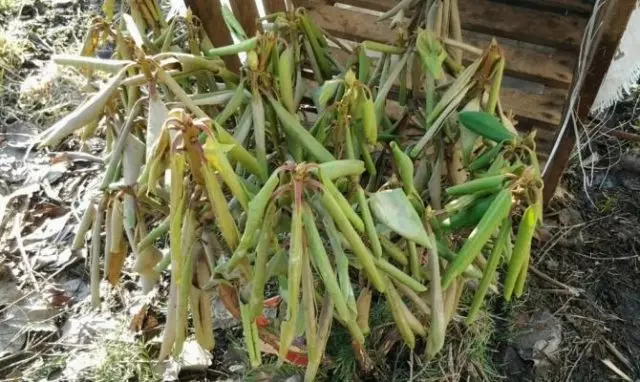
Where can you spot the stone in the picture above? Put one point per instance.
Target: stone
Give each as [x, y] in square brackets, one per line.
[539, 337]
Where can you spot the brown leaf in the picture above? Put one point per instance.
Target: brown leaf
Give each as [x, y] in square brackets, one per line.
[229, 298]
[144, 320]
[115, 264]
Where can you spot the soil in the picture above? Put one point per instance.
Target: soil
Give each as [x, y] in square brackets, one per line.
[589, 242]
[597, 253]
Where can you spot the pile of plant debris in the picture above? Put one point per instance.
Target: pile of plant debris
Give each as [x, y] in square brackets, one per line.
[303, 205]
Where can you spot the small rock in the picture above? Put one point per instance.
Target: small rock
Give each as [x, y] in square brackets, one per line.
[539, 338]
[169, 369]
[194, 357]
[236, 368]
[516, 369]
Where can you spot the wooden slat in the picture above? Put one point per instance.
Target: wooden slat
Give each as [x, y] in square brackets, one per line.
[209, 12]
[576, 7]
[530, 25]
[533, 26]
[549, 69]
[273, 6]
[545, 109]
[558, 6]
[553, 67]
[246, 12]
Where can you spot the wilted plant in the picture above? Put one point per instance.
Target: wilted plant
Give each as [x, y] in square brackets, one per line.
[251, 194]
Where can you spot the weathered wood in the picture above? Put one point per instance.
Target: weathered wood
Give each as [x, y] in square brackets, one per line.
[545, 109]
[273, 6]
[538, 27]
[246, 12]
[209, 12]
[530, 25]
[553, 67]
[549, 69]
[613, 23]
[574, 7]
[559, 6]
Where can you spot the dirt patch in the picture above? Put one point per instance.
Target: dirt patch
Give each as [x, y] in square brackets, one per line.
[590, 245]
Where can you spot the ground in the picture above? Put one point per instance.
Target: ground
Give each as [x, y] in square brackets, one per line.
[577, 322]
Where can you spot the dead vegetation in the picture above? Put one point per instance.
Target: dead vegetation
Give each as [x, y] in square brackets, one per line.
[588, 320]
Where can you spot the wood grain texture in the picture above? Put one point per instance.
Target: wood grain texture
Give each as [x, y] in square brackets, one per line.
[573, 7]
[545, 109]
[246, 12]
[273, 6]
[538, 27]
[504, 20]
[210, 14]
[557, 6]
[554, 69]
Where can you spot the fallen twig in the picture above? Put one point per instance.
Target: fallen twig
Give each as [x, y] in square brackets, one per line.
[573, 291]
[608, 363]
[17, 223]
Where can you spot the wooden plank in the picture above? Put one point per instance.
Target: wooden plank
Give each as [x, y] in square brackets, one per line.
[246, 12]
[550, 69]
[574, 7]
[559, 6]
[210, 14]
[273, 6]
[535, 26]
[538, 27]
[545, 109]
[614, 19]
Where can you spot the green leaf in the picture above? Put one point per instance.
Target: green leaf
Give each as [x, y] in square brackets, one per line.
[394, 209]
[326, 92]
[486, 125]
[468, 138]
[431, 53]
[232, 23]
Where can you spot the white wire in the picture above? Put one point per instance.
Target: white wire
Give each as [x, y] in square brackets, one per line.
[586, 47]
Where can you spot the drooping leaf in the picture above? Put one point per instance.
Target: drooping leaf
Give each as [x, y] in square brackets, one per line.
[133, 30]
[394, 210]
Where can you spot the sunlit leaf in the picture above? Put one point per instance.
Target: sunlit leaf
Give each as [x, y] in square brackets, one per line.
[394, 209]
